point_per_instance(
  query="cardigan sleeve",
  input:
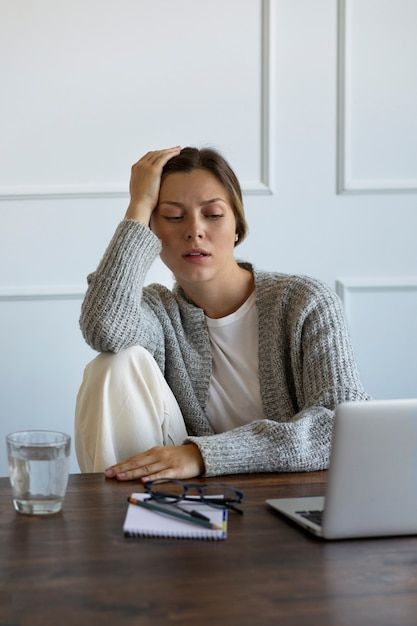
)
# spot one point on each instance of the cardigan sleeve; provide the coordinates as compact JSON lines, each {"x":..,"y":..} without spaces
{"x":324,"y":373}
{"x":268,"y":446}
{"x":113,"y":314}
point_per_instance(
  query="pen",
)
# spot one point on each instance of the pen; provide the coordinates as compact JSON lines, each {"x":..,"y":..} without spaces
{"x":158,"y":508}
{"x":186,"y":511}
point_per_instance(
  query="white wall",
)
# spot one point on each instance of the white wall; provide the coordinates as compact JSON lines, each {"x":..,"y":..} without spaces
{"x":313,"y":103}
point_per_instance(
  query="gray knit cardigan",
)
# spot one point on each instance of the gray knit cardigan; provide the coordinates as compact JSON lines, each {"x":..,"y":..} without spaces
{"x":306,"y":364}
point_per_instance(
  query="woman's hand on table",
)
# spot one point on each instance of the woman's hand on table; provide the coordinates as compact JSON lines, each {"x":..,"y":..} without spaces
{"x":160,"y":462}
{"x":145,"y":182}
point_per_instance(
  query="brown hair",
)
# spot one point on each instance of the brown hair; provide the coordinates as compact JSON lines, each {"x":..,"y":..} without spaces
{"x":208,"y":159}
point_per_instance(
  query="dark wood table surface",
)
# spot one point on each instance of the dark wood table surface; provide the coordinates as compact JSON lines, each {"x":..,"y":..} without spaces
{"x":77,"y":568}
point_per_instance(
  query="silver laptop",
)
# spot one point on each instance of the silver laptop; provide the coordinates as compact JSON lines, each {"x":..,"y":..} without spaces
{"x":372,"y":478}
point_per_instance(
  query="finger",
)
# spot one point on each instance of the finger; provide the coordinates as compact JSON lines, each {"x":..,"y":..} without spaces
{"x":131,"y":463}
{"x":140,"y":463}
{"x":141,"y":472}
{"x":160,"y":157}
{"x":154,"y":155}
{"x":168,"y":472}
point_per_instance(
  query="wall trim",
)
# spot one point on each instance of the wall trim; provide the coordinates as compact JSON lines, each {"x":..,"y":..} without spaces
{"x":42,"y":292}
{"x":346,"y":184}
{"x":347,"y":287}
{"x":266,"y":92}
{"x":39,"y":192}
{"x":118,"y":190}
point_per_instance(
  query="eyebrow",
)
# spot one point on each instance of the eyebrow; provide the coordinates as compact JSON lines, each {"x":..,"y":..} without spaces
{"x":182,"y":206}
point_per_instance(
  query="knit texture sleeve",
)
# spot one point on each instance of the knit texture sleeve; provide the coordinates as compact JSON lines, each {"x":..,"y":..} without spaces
{"x":113,"y":316}
{"x":323,"y":373}
{"x":269,"y":446}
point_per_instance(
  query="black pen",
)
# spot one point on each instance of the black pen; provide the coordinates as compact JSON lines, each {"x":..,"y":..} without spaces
{"x":158,"y":508}
{"x":193,"y":513}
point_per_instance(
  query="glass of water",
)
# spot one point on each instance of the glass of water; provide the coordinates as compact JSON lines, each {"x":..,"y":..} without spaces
{"x":38,"y":466}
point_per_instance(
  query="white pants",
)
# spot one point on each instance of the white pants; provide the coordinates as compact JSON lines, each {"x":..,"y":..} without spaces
{"x":124,"y":406}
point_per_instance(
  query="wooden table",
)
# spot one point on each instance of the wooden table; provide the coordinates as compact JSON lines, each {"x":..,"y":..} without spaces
{"x":77,"y":568}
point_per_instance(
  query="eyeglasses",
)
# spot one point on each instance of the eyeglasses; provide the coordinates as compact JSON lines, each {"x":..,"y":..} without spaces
{"x":217,"y":495}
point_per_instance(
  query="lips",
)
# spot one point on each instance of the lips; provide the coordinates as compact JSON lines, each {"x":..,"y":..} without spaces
{"x":196,"y":252}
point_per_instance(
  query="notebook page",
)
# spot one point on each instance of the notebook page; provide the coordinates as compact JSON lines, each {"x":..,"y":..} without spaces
{"x":142,"y":523}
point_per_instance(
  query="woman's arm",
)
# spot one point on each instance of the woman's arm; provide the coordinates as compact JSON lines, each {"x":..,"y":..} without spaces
{"x":269,"y":446}
{"x":112,"y":316}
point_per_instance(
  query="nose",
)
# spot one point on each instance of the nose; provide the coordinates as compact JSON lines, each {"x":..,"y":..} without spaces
{"x":190,"y":237}
{"x":194,"y":230}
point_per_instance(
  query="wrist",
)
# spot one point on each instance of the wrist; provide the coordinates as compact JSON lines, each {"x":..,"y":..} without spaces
{"x":138,"y":213}
{"x":197,"y":456}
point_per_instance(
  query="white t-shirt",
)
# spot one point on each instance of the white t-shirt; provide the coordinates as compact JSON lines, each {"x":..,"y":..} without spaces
{"x":234,"y":393}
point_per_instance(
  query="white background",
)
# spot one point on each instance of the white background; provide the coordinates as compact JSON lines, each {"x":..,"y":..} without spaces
{"x":312,"y":101}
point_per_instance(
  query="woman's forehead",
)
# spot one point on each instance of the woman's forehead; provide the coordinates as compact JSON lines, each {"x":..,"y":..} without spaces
{"x":198,"y":184}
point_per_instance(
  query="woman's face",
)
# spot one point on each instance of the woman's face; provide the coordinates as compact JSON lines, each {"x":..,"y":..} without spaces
{"x":196,"y":225}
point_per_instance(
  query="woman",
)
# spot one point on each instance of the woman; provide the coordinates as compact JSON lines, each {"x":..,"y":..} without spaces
{"x":234,"y":370}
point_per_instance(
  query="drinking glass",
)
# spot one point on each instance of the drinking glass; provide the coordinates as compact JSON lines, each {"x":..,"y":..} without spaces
{"x":38,"y":466}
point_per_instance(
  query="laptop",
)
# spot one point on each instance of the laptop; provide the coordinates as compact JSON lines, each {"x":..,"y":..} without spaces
{"x":372,"y":477}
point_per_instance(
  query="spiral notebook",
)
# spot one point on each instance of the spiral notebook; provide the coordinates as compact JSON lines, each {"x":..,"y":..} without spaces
{"x":140,"y":522}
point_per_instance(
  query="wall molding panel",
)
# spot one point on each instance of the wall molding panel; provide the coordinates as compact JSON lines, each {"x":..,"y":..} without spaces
{"x":263,"y":187}
{"x":120,"y":190}
{"x":346,"y":181}
{"x":380,"y":313}
{"x":347,"y":287}
{"x":41,"y":292}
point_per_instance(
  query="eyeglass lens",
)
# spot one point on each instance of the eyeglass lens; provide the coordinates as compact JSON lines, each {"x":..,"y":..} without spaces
{"x":175,"y":490}
{"x":215,"y":489}
{"x":171,"y":490}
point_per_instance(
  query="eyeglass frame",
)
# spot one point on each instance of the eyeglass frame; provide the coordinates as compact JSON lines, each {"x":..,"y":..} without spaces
{"x":199,"y":487}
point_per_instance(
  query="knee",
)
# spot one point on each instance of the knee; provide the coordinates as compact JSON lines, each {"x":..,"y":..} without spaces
{"x":135,"y":357}
{"x":134,"y":352}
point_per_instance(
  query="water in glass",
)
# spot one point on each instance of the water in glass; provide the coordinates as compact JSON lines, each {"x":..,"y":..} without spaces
{"x":39,"y":476}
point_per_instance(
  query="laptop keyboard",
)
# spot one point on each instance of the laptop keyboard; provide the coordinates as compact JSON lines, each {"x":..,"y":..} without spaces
{"x":312,"y":516}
